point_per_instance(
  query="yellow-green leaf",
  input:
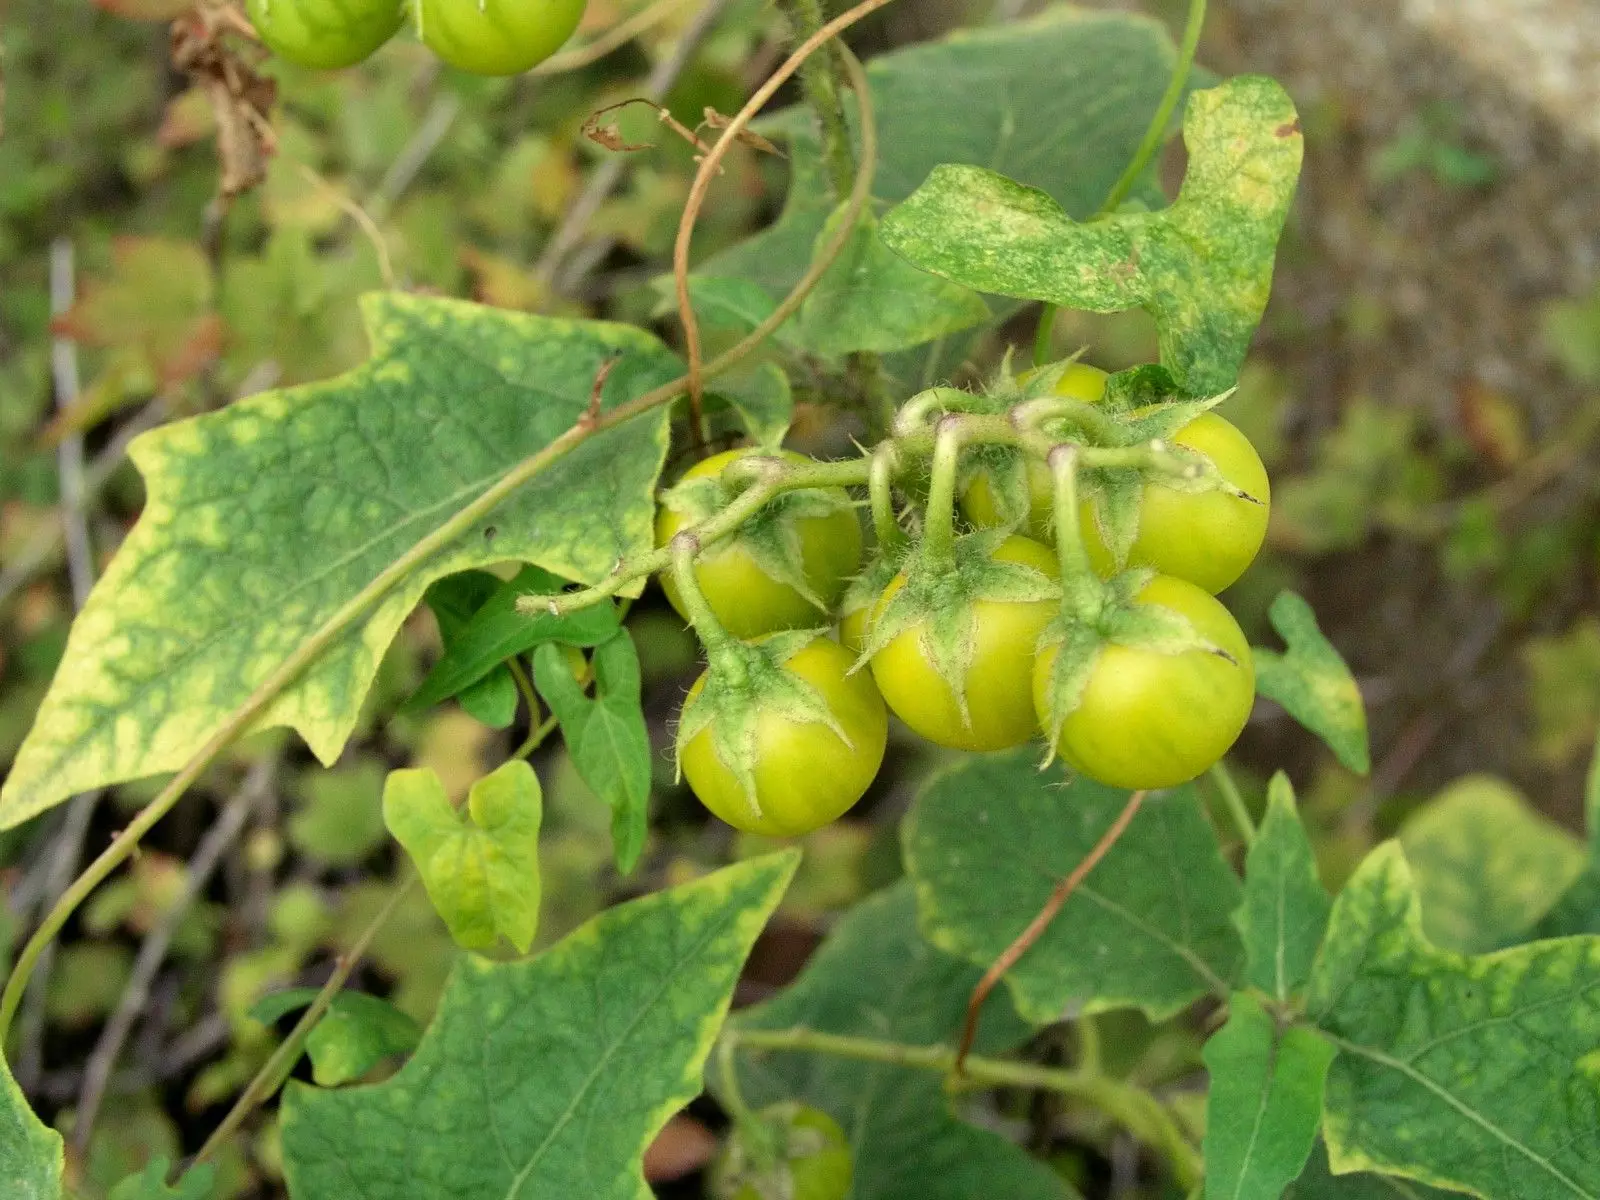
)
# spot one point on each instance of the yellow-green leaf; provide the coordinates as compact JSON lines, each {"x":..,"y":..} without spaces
{"x":265,"y":519}
{"x":30,"y":1151}
{"x":481,"y":868}
{"x":1474,"y":1073}
{"x":1487,"y":866}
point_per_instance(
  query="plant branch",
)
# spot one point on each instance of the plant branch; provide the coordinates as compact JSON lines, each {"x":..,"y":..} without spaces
{"x":702,"y":183}
{"x":1133,"y":1107}
{"x":819,"y":79}
{"x":153,"y":952}
{"x":276,"y":1068}
{"x":1024,"y":941}
{"x":1223,"y":778}
{"x":1148,"y":145}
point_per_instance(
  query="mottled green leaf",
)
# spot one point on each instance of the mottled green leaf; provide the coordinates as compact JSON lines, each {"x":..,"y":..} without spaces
{"x":1318,"y":1182}
{"x":30,"y":1152}
{"x":1201,"y":267}
{"x":546,"y":1077}
{"x":1285,"y":908}
{"x":266,"y":518}
{"x":1058,"y":102}
{"x":495,"y":631}
{"x":988,"y":841}
{"x":356,"y":1033}
{"x":874,"y":977}
{"x":481,"y":867}
{"x":1313,"y":684}
{"x":1264,"y":1104}
{"x":1578,"y":910}
{"x":1486,"y":865}
{"x":1475,"y":1073}
{"x":151,"y":1183}
{"x":606,"y":736}
{"x":872,"y":299}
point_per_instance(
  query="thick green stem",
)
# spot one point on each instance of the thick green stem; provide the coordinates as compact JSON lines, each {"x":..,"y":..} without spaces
{"x":1132,"y":1107}
{"x":1148,"y":145}
{"x":685,"y":549}
{"x":1079,"y":585}
{"x":938,"y":531}
{"x":1157,"y":129}
{"x":885,"y":461}
{"x":1088,"y":419}
{"x":820,"y":81}
{"x":1223,"y":778}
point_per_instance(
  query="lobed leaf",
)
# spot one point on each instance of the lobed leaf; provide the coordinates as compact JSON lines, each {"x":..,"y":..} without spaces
{"x":1201,"y":267}
{"x":607,"y":736}
{"x":481,"y":867}
{"x":1318,"y":1182}
{"x":1264,"y":1104}
{"x":874,"y":977}
{"x":546,"y":1077}
{"x":987,"y":842}
{"x":1313,"y":684}
{"x":267,"y":518}
{"x":1486,"y":865}
{"x":1285,"y":909}
{"x":1473,"y":1073}
{"x":1059,"y":101}
{"x":1578,"y":909}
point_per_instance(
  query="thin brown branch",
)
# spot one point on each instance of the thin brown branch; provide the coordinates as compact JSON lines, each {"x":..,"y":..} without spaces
{"x":1036,"y":927}
{"x":708,"y":169}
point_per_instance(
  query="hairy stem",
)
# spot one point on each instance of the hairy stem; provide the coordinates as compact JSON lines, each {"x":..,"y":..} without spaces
{"x":1131,"y":1106}
{"x":819,"y":79}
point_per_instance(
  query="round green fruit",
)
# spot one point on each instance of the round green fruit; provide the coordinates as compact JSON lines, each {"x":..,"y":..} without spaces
{"x":808,"y":1158}
{"x":325,"y":34}
{"x":1208,"y":538}
{"x":1152,"y":720}
{"x":998,"y":697}
{"x":806,"y":775}
{"x":496,"y":37}
{"x":745,"y":599}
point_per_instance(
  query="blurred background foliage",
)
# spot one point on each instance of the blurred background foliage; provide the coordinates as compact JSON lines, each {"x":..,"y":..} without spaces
{"x":1434,"y":499}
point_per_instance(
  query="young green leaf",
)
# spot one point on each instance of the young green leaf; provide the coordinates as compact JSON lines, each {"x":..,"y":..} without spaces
{"x":31,"y":1153}
{"x":1264,"y":1105}
{"x":266,"y":519}
{"x":1313,"y":684}
{"x":151,"y":1183}
{"x":546,"y":1077}
{"x":453,"y":600}
{"x":356,"y":1033}
{"x":607,"y":736}
{"x":1486,"y":865}
{"x":1285,"y":908}
{"x":986,"y":844}
{"x":481,"y":867}
{"x":1201,"y":267}
{"x":874,"y":977}
{"x":1059,"y":102}
{"x":872,"y":299}
{"x":1475,"y":1073}
{"x":477,"y":648}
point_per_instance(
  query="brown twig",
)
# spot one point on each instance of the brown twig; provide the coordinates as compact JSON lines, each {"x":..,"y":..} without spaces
{"x":702,"y":184}
{"x":591,"y":415}
{"x":1036,"y":927}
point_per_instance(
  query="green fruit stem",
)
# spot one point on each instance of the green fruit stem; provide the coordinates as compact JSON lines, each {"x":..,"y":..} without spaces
{"x":1128,"y":1104}
{"x":938,"y":531}
{"x":880,"y":481}
{"x":1090,"y":420}
{"x":1080,"y":587}
{"x":719,"y":643}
